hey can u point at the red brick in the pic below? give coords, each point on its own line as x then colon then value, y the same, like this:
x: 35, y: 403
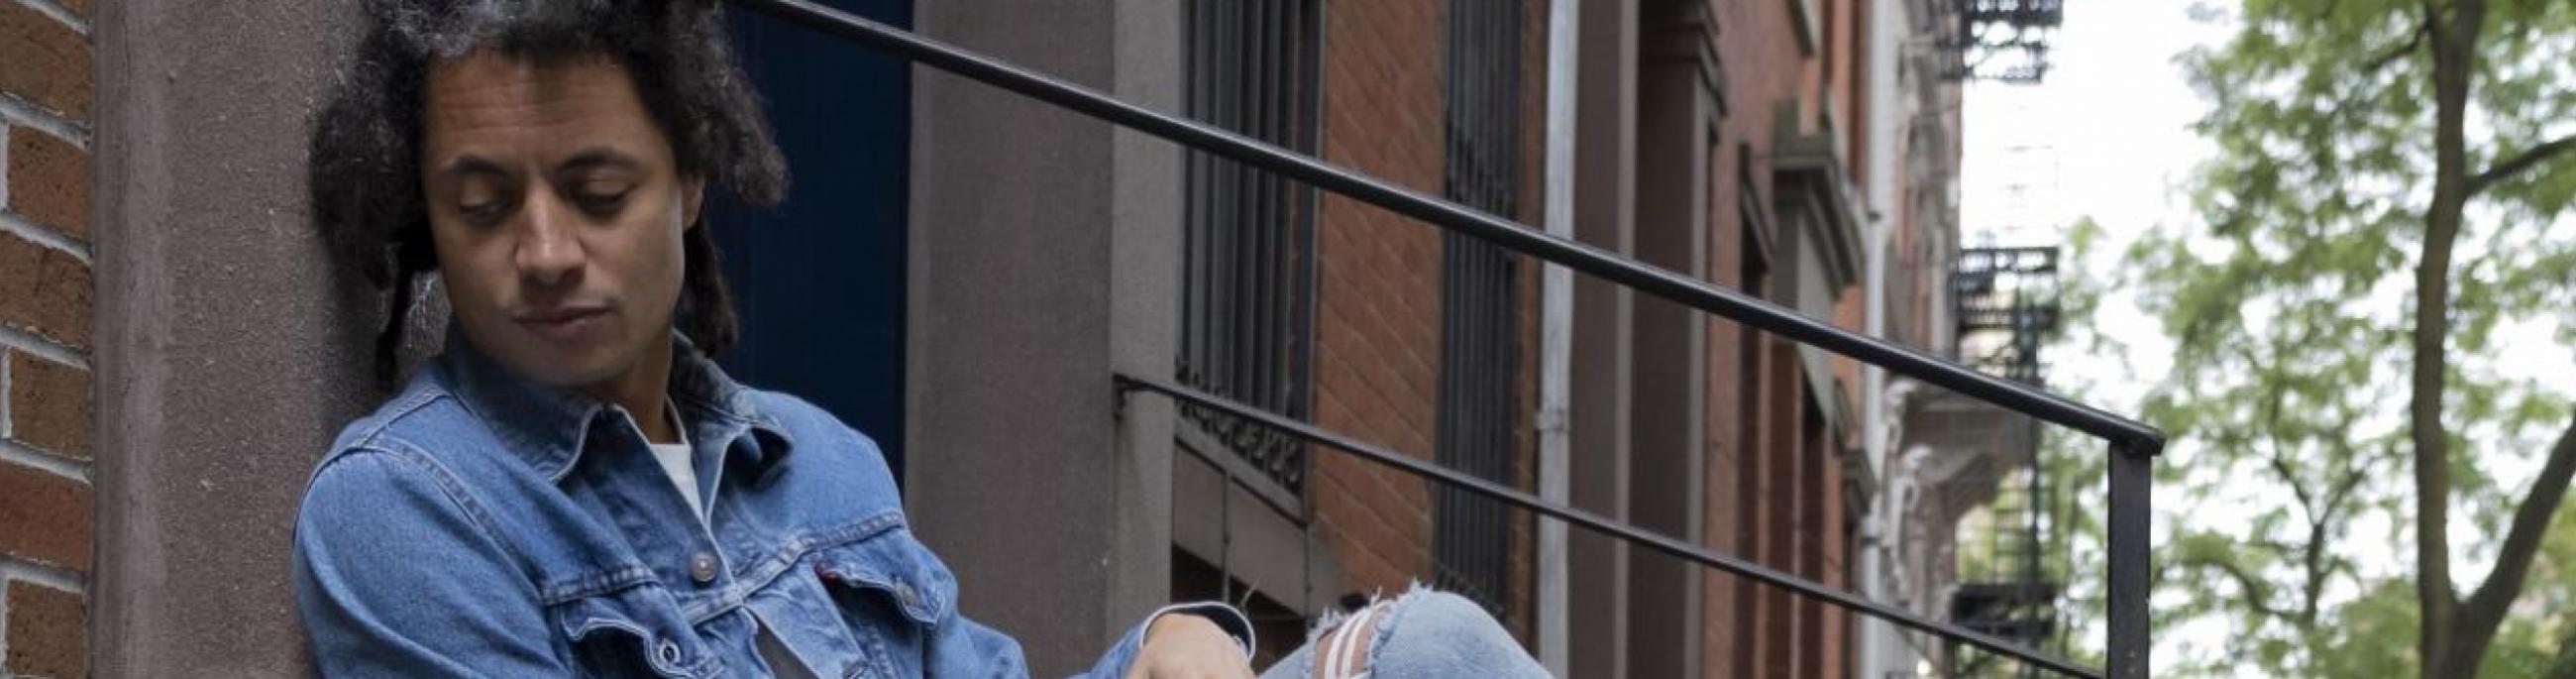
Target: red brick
x: 1371, y: 529
x: 48, y: 633
x: 44, y: 61
x: 1378, y: 302
x: 44, y: 518
x: 49, y: 405
x: 49, y: 181
x: 44, y: 291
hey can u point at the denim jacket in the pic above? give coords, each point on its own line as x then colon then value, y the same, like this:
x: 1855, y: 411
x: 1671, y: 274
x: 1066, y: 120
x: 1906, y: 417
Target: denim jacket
x: 480, y: 525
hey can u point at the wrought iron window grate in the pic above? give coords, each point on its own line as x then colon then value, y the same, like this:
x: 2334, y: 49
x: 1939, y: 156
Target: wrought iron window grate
x: 1248, y: 244
x: 1479, y: 352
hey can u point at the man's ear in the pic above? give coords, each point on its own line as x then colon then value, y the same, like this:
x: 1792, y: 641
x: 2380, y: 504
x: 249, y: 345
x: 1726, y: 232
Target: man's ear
x: 693, y: 194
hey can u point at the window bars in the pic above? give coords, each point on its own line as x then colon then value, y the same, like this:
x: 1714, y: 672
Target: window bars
x: 1248, y: 267
x: 2133, y: 446
x: 1479, y: 335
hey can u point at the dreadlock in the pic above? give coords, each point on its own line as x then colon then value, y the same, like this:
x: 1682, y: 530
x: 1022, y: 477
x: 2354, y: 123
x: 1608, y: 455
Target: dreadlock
x: 365, y: 168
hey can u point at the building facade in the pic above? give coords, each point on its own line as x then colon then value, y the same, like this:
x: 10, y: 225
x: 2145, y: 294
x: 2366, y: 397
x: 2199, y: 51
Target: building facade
x: 965, y: 274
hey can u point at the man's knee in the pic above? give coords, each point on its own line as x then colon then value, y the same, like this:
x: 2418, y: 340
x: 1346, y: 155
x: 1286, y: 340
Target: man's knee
x: 1435, y: 608
x: 1434, y: 633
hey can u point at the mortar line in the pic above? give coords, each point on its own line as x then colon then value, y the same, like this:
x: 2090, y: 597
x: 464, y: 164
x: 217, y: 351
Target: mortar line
x: 4, y: 166
x: 33, y: 458
x: 26, y: 113
x: 7, y: 423
x: 16, y: 225
x: 43, y: 348
x: 60, y: 13
x: 44, y: 576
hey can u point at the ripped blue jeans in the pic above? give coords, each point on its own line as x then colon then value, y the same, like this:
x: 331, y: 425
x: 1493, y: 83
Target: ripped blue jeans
x: 1424, y: 634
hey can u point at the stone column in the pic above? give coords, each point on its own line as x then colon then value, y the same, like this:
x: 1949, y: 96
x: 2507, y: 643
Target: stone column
x: 1598, y: 406
x: 229, y: 351
x: 1044, y: 255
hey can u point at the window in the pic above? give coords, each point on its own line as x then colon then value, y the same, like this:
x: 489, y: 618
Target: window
x: 1479, y: 310
x: 1247, y: 294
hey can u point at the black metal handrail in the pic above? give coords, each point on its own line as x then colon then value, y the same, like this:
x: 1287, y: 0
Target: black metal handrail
x: 2133, y: 445
x: 1661, y: 543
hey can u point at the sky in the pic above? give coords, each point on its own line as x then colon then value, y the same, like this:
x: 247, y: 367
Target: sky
x: 2107, y: 136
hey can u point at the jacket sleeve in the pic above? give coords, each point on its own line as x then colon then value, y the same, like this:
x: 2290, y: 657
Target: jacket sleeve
x: 1115, y: 663
x: 395, y: 576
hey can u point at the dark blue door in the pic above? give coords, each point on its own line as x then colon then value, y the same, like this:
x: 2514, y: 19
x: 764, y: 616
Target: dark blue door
x: 819, y: 281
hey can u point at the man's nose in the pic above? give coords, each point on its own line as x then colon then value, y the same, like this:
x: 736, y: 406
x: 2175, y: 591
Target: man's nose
x: 551, y: 252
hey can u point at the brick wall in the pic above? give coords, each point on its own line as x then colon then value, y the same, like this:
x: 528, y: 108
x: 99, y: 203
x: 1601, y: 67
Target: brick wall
x: 1378, y: 315
x: 1775, y: 493
x: 1377, y: 324
x: 1773, y: 476
x: 45, y: 290
x: 1759, y: 51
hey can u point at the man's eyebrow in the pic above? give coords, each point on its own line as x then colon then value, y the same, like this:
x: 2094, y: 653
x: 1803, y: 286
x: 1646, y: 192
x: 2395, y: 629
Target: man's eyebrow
x: 600, y: 158
x: 462, y: 165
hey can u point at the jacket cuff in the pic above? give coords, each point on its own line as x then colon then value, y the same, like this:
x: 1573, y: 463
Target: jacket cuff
x: 1226, y: 618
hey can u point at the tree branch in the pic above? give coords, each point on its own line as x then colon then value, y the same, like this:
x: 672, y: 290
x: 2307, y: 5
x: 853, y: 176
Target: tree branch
x: 2343, y: 490
x: 2270, y: 412
x: 2298, y: 486
x: 2256, y: 593
x: 2312, y: 597
x: 2413, y: 42
x: 2507, y: 168
x: 2478, y: 617
x: 2355, y: 470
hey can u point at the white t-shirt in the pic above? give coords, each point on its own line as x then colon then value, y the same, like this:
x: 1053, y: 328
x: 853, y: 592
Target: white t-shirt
x: 675, y: 459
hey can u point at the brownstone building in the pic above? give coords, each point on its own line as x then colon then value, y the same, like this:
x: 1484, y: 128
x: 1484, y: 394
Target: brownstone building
x: 987, y: 267
x: 1800, y: 150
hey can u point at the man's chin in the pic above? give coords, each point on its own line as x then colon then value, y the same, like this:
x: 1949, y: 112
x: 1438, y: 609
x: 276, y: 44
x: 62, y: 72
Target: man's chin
x: 576, y: 373
x: 574, y: 381
x: 583, y: 367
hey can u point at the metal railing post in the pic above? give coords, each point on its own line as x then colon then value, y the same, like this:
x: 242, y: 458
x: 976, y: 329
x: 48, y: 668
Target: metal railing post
x: 2130, y: 560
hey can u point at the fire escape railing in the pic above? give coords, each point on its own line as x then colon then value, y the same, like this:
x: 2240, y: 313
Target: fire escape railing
x: 2133, y: 446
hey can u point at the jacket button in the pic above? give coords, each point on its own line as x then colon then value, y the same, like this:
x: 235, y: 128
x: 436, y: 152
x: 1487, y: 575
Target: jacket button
x: 903, y: 592
x: 702, y: 567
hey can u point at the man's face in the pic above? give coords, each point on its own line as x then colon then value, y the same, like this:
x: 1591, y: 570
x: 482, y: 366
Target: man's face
x: 556, y: 211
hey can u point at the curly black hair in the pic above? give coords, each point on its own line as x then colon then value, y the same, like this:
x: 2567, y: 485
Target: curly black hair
x: 365, y: 156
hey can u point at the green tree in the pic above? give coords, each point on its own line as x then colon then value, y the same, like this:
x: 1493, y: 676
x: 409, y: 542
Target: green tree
x: 2377, y: 212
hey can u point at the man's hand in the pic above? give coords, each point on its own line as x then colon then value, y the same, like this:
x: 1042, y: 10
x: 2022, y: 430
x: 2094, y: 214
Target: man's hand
x: 1188, y: 647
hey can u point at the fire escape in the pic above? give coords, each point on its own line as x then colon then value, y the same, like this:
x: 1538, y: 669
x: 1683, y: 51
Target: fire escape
x: 2007, y: 306
x: 2005, y: 40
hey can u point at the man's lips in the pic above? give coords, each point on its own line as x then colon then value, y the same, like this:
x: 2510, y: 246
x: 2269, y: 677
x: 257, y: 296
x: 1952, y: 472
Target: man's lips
x: 561, y: 324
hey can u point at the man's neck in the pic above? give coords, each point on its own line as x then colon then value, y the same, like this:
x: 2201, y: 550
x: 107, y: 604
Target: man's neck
x: 644, y: 392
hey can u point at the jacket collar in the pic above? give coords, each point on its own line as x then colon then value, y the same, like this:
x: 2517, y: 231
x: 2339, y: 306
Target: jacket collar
x: 549, y: 427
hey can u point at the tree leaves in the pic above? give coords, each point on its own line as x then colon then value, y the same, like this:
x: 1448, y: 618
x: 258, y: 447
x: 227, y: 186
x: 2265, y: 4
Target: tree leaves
x: 2290, y: 307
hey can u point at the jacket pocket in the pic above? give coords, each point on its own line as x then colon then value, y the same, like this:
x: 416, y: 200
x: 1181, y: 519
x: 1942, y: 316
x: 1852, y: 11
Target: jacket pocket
x: 633, y: 632
x: 890, y: 570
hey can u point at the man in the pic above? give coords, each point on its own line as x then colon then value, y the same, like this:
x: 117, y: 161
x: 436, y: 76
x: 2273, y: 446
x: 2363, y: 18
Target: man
x: 572, y: 487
